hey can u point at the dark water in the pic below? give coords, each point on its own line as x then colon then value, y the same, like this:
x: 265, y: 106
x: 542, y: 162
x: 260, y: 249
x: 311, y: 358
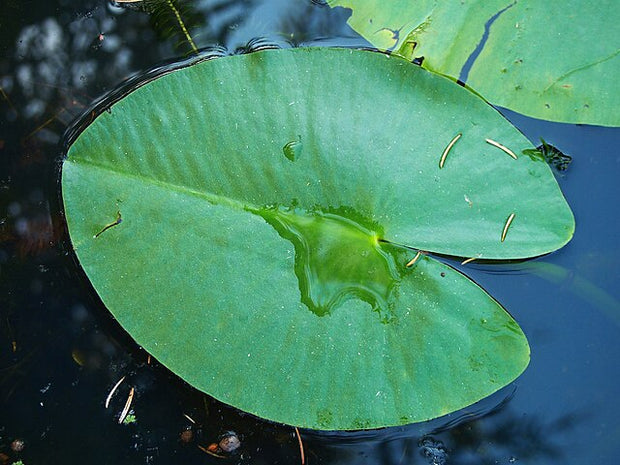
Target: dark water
x: 61, y: 353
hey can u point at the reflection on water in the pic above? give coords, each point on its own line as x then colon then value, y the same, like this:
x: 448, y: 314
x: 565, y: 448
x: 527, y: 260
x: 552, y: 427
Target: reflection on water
x: 61, y: 353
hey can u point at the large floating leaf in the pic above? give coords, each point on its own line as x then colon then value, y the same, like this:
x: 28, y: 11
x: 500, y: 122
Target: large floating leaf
x: 247, y: 220
x: 555, y: 60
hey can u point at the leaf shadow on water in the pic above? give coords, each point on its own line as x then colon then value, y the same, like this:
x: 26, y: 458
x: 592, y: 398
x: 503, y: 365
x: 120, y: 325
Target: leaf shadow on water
x: 486, y: 433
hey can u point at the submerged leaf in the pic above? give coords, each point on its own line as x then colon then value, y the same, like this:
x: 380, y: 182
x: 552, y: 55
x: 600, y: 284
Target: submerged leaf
x: 271, y: 206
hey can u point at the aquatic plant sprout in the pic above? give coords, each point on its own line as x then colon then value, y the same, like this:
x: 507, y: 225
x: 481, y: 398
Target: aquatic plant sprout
x: 263, y: 225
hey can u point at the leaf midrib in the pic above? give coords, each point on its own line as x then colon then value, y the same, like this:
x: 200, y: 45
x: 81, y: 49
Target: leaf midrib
x: 213, y: 199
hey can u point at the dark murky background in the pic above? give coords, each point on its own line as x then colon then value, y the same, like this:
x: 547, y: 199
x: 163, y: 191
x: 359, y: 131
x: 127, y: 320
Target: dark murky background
x: 61, y: 353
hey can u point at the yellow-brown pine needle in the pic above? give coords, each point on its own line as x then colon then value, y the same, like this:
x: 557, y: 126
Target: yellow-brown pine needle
x: 127, y: 406
x: 107, y: 400
x: 501, y: 147
x: 469, y: 260
x: 414, y: 259
x: 45, y: 123
x: 204, y: 449
x: 301, y: 447
x: 8, y: 100
x: 507, y: 225
x: 442, y: 160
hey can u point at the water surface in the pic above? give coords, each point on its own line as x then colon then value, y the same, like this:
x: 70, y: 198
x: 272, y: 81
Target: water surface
x: 61, y: 352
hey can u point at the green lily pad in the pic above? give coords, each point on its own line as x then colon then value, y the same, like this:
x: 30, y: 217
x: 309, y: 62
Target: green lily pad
x: 252, y: 221
x: 547, y: 59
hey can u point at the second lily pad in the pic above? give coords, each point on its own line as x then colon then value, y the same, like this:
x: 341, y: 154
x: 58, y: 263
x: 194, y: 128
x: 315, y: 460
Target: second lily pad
x: 518, y: 55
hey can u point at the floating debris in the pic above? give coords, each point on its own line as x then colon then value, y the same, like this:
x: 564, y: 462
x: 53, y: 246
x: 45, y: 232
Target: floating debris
x: 470, y: 259
x: 442, y: 160
x: 433, y: 450
x: 507, y: 225
x: 414, y: 259
x: 125, y: 411
x: 301, y: 446
x: 550, y: 154
x: 17, y: 445
x: 211, y: 450
x: 229, y: 442
x: 107, y: 400
x: 186, y: 436
x: 502, y: 147
x: 130, y: 418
